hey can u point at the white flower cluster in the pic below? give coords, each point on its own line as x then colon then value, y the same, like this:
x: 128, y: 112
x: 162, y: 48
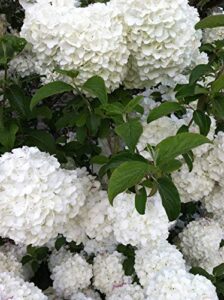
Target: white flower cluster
x: 178, y: 284
x: 135, y: 42
x: 127, y: 292
x: 149, y: 262
x: 37, y: 197
x: 71, y: 275
x: 200, y: 243
x: 12, y: 287
x: 108, y: 272
x: 157, y: 52
x: 66, y: 37
x: 138, y: 230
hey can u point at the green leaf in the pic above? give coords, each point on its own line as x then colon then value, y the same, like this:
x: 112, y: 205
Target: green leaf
x: 18, y: 100
x: 218, y: 84
x: 198, y: 72
x: 35, y: 266
x: 41, y: 139
x: 170, y: 197
x: 125, y: 176
x: 218, y: 107
x: 189, y: 159
x: 202, y: 272
x: 130, y: 132
x: 60, y: 242
x: 203, y: 121
x: 128, y: 266
x: 171, y: 166
x: 26, y: 259
x: 219, y: 270
x: 132, y: 104
x: 70, y: 73
x: 140, y: 201
x: 41, y: 253
x: 174, y: 146
x: 10, y: 46
x: 115, y: 108
x: 118, y: 159
x: 99, y: 159
x: 50, y: 89
x: 164, y: 109
x: 211, y: 22
x: 96, y: 86
x: 8, y: 136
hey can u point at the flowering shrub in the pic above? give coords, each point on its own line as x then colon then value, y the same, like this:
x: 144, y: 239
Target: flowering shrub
x: 111, y: 150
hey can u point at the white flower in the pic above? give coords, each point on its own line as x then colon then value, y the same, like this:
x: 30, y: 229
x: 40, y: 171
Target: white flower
x: 104, y: 246
x: 108, y: 272
x: 90, y: 39
x: 58, y: 257
x: 211, y: 35
x: 127, y: 292
x: 150, y: 261
x: 71, y: 275
x: 37, y: 197
x: 12, y: 287
x: 138, y: 230
x: 200, y: 240
x: 86, y: 295
x: 9, y: 263
x: 180, y: 285
x: 159, y: 35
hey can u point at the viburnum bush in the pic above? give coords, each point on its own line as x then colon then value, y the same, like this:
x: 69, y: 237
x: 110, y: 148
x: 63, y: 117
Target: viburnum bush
x: 111, y: 150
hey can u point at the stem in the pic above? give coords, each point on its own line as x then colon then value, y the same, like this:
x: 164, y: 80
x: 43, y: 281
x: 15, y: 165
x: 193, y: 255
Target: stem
x: 83, y: 98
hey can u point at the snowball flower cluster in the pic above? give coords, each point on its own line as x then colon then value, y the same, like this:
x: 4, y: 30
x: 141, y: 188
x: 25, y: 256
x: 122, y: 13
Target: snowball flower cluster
x: 71, y: 275
x: 149, y: 262
x: 108, y: 272
x: 180, y: 285
x: 138, y: 230
x: 9, y: 263
x: 15, y: 288
x: 200, y: 242
x: 211, y: 35
x: 66, y: 37
x: 154, y: 29
x: 37, y: 197
x: 135, y: 42
x: 127, y: 292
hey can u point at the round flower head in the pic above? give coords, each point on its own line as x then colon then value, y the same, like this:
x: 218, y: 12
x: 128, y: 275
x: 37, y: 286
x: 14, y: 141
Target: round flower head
x: 150, y: 261
x: 214, y: 204
x: 108, y: 272
x: 71, y: 275
x: 15, y: 288
x: 9, y: 263
x: 37, y: 197
x: 86, y: 295
x: 159, y: 35
x: 90, y: 39
x: 138, y: 230
x: 194, y: 185
x: 180, y: 285
x: 127, y: 292
x: 200, y: 240
x: 58, y: 257
x: 93, y: 246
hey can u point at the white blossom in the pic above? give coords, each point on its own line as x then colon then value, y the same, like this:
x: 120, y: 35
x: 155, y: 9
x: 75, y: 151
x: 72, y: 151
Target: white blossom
x: 200, y: 240
x: 150, y: 261
x: 12, y: 287
x: 37, y: 197
x: 138, y: 230
x: 127, y: 292
x: 108, y: 272
x: 71, y: 275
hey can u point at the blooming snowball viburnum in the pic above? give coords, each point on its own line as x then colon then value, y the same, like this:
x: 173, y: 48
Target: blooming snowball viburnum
x: 12, y: 287
x: 127, y: 292
x: 71, y: 275
x: 179, y: 285
x: 143, y: 42
x: 66, y: 37
x: 200, y: 240
x: 108, y: 272
x: 37, y: 197
x: 159, y: 35
x: 150, y: 261
x: 138, y: 230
